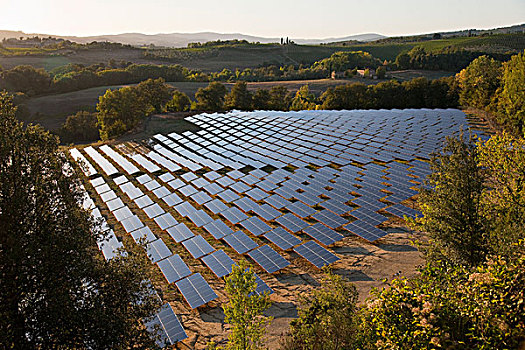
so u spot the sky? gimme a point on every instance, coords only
(267, 18)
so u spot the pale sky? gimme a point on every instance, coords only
(268, 18)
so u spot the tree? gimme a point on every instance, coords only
(119, 111)
(211, 98)
(479, 82)
(303, 100)
(512, 95)
(449, 307)
(239, 97)
(180, 102)
(327, 318)
(82, 126)
(403, 61)
(154, 92)
(244, 311)
(26, 79)
(451, 203)
(503, 159)
(56, 290)
(381, 72)
(261, 99)
(280, 98)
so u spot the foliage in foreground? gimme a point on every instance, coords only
(244, 310)
(327, 318)
(449, 307)
(56, 290)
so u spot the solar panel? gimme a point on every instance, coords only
(300, 209)
(184, 208)
(255, 226)
(102, 162)
(228, 195)
(97, 181)
(234, 215)
(196, 290)
(132, 223)
(292, 222)
(198, 246)
(329, 219)
(219, 262)
(172, 199)
(122, 213)
(218, 229)
(173, 268)
(267, 212)
(143, 234)
(142, 179)
(200, 198)
(199, 218)
(165, 221)
(180, 232)
(157, 250)
(176, 184)
(323, 234)
(365, 230)
(83, 163)
(143, 201)
(166, 177)
(277, 201)
(268, 259)
(115, 204)
(153, 210)
(171, 329)
(240, 242)
(188, 190)
(282, 238)
(257, 194)
(106, 197)
(161, 192)
(151, 185)
(102, 188)
(216, 206)
(120, 160)
(262, 287)
(315, 254)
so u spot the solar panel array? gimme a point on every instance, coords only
(260, 182)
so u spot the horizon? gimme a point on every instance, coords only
(236, 17)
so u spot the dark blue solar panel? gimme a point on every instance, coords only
(234, 215)
(180, 232)
(216, 206)
(282, 238)
(198, 246)
(196, 290)
(219, 262)
(157, 250)
(315, 254)
(329, 219)
(323, 234)
(255, 226)
(292, 222)
(173, 268)
(218, 229)
(240, 242)
(268, 259)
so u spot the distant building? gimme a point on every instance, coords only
(361, 73)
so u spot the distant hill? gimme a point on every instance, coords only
(183, 39)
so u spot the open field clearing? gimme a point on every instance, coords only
(290, 192)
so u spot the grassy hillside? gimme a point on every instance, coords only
(388, 49)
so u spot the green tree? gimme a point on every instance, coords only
(512, 95)
(449, 307)
(239, 97)
(503, 159)
(280, 98)
(180, 102)
(381, 72)
(261, 99)
(403, 61)
(26, 79)
(82, 126)
(452, 205)
(303, 100)
(244, 310)
(119, 111)
(154, 92)
(478, 82)
(56, 290)
(327, 318)
(211, 98)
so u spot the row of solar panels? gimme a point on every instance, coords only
(164, 321)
